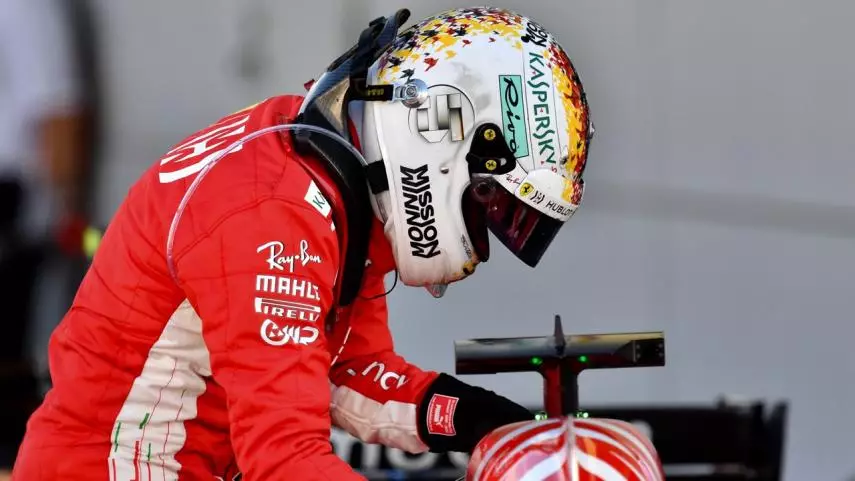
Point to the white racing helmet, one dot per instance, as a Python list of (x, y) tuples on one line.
[(493, 137)]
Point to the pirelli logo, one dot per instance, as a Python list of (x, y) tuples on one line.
[(287, 309)]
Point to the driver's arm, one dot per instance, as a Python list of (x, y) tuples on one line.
[(271, 360), (381, 398)]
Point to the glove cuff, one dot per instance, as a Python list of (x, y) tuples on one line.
[(455, 416)]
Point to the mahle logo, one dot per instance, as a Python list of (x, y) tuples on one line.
[(513, 114)]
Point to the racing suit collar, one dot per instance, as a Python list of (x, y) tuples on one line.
[(380, 256)]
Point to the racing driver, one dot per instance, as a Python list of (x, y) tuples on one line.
[(235, 309)]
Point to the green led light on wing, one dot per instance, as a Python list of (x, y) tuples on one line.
[(91, 240)]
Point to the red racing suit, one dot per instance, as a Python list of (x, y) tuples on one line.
[(223, 360)]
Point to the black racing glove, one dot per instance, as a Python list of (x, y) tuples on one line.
[(454, 416)]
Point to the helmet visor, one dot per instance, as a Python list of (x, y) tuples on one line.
[(523, 230)]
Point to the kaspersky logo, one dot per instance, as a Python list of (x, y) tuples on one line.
[(540, 93)]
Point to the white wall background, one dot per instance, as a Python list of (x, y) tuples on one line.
[(721, 188)]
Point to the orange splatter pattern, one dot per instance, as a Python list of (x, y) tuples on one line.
[(437, 38), (575, 107)]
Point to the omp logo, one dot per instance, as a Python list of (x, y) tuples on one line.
[(418, 206), (274, 335), (441, 114), (513, 112), (381, 376), (287, 309)]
